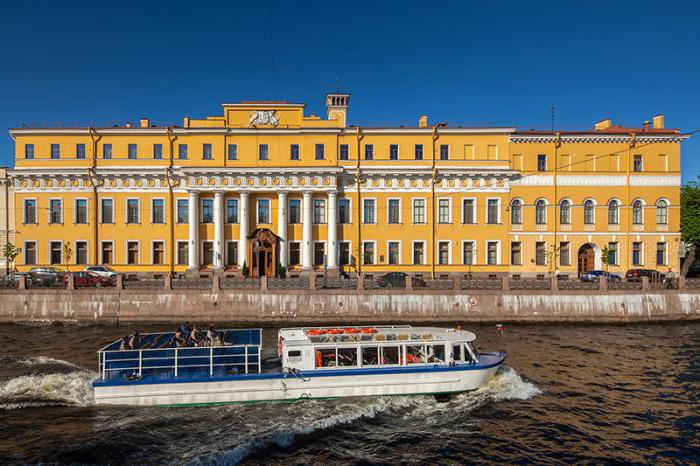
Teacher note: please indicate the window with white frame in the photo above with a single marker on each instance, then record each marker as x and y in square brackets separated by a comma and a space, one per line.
[492, 252]
[231, 253]
[661, 212]
[418, 253]
[81, 211]
[469, 211]
[294, 211]
[132, 252]
[158, 252]
[368, 211]
[30, 211]
[106, 211]
[469, 253]
[263, 211]
[157, 211]
[516, 212]
[132, 211]
[589, 212]
[30, 252]
[231, 210]
[637, 212]
[394, 211]
[418, 210]
[541, 212]
[394, 252]
[55, 252]
[344, 210]
[492, 211]
[183, 213]
[368, 252]
[613, 212]
[319, 211]
[443, 252]
[81, 252]
[55, 211]
[443, 211]
[637, 253]
[207, 211]
[565, 212]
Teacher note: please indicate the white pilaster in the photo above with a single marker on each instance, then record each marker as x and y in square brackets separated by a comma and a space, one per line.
[219, 230]
[193, 217]
[307, 231]
[332, 244]
[282, 226]
[243, 236]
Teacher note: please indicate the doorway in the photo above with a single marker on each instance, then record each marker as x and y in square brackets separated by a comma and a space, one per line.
[263, 253]
[586, 258]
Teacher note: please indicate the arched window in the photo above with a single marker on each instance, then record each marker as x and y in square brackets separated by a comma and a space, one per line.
[516, 212]
[565, 212]
[613, 212]
[541, 212]
[589, 212]
[637, 213]
[662, 212]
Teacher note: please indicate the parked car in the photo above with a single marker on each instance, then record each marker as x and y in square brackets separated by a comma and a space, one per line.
[635, 275]
[87, 279]
[594, 276]
[45, 276]
[103, 271]
[12, 279]
[398, 280]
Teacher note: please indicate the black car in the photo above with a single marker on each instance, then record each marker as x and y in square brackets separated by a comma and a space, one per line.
[398, 280]
[635, 275]
[45, 276]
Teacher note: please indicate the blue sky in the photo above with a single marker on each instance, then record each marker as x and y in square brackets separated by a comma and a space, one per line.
[503, 63]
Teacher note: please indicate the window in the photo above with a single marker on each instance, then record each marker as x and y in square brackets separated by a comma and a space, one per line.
[30, 211]
[232, 152]
[612, 251]
[294, 152]
[231, 210]
[368, 253]
[661, 212]
[516, 212]
[55, 211]
[132, 211]
[638, 164]
[343, 253]
[207, 252]
[158, 253]
[183, 214]
[81, 211]
[418, 152]
[107, 252]
[30, 252]
[443, 252]
[206, 151]
[320, 151]
[157, 211]
[344, 152]
[55, 151]
[319, 211]
[443, 211]
[444, 152]
[55, 252]
[492, 211]
[182, 151]
[207, 211]
[107, 211]
[637, 212]
[564, 253]
[492, 252]
[294, 211]
[393, 253]
[542, 163]
[369, 152]
[540, 253]
[370, 356]
[132, 252]
[637, 253]
[132, 151]
[589, 212]
[368, 211]
[541, 212]
[343, 210]
[661, 254]
[29, 151]
[515, 253]
[468, 253]
[613, 212]
[394, 211]
[81, 252]
[418, 253]
[107, 151]
[565, 212]
[157, 151]
[294, 253]
[394, 152]
[80, 151]
[263, 152]
[183, 252]
[319, 253]
[419, 211]
[263, 211]
[469, 211]
[231, 253]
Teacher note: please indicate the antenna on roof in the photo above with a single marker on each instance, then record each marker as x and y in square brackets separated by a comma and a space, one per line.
[337, 85]
[552, 109]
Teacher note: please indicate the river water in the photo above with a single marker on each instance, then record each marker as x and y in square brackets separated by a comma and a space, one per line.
[569, 394]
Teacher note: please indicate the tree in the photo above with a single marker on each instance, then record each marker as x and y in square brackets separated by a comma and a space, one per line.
[9, 252]
[690, 224]
[606, 258]
[67, 253]
[244, 270]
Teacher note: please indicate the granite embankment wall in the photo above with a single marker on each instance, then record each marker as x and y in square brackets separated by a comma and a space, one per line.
[347, 306]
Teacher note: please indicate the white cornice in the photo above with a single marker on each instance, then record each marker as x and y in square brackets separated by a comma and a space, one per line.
[597, 138]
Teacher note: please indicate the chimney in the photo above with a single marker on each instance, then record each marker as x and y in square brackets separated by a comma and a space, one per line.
[423, 121]
[337, 107]
[646, 125]
[186, 122]
[127, 124]
[603, 124]
[658, 121]
[143, 122]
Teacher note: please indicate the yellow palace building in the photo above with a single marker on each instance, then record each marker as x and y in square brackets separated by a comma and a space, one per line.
[267, 186]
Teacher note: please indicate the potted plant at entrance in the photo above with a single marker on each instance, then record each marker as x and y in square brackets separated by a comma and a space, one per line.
[244, 270]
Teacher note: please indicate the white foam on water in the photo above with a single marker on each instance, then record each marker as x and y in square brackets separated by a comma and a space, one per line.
[45, 361]
[72, 388]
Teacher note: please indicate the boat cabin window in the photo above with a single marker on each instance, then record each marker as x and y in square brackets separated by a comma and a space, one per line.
[415, 354]
[436, 353]
[390, 355]
[347, 356]
[325, 357]
[457, 351]
[370, 356]
[294, 354]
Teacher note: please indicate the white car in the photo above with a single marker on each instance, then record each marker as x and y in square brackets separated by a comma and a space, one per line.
[102, 271]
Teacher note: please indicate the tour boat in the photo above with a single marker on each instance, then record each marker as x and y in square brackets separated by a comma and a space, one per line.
[311, 363]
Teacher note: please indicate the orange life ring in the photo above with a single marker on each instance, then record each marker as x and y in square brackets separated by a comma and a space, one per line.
[369, 330]
[315, 332]
[350, 330]
[335, 331]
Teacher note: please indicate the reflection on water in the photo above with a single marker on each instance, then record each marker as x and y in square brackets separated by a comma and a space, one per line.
[574, 394]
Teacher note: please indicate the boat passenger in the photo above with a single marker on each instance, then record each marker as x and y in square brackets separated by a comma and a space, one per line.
[185, 329]
[135, 340]
[178, 340]
[212, 335]
[124, 343]
[195, 336]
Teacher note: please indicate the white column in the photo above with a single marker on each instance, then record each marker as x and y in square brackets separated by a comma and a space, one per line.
[243, 236]
[193, 217]
[332, 244]
[307, 232]
[282, 226]
[219, 230]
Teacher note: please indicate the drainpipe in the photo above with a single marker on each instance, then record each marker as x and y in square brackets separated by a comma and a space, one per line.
[359, 205]
[432, 206]
[171, 198]
[631, 145]
[553, 266]
[95, 202]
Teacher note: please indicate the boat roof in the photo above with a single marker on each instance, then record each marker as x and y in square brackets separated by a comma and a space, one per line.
[300, 335]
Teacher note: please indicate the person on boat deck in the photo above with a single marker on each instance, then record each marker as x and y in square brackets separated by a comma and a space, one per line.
[179, 340]
[135, 340]
[195, 336]
[212, 336]
[185, 329]
[124, 343]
